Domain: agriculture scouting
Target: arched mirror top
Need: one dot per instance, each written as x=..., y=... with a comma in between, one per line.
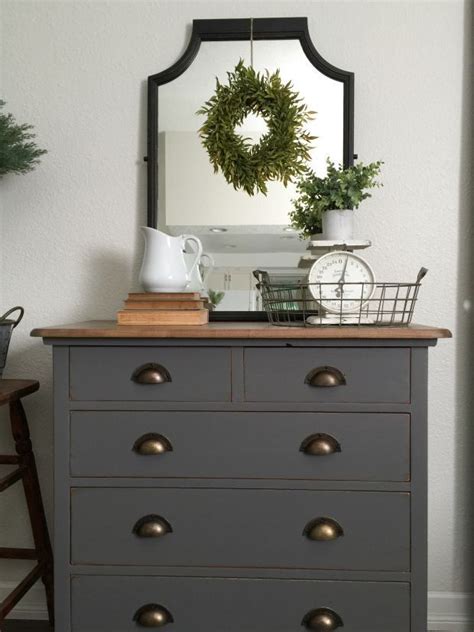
x=173, y=109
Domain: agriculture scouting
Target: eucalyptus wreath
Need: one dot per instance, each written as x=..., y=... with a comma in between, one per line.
x=280, y=154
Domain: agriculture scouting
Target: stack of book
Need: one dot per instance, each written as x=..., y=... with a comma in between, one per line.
x=163, y=308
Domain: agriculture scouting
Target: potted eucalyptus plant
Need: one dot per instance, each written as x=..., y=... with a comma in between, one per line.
x=18, y=154
x=215, y=297
x=327, y=204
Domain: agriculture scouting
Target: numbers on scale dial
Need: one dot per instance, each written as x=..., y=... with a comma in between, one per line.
x=348, y=281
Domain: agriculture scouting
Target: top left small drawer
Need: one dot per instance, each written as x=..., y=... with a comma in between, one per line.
x=166, y=374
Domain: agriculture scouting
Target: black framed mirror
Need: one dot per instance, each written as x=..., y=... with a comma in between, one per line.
x=239, y=232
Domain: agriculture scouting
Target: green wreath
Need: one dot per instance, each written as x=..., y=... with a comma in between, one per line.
x=281, y=153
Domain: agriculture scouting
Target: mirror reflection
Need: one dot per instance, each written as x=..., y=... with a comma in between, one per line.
x=240, y=232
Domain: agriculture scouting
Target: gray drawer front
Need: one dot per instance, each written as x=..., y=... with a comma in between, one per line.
x=241, y=528
x=371, y=375
x=104, y=373
x=108, y=604
x=374, y=446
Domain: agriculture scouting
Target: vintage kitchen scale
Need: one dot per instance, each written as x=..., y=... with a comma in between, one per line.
x=340, y=288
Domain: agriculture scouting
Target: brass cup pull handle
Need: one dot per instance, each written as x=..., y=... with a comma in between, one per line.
x=152, y=526
x=323, y=530
x=152, y=615
x=322, y=620
x=151, y=373
x=152, y=444
x=320, y=444
x=325, y=377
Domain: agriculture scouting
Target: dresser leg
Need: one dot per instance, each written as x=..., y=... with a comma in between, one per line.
x=21, y=435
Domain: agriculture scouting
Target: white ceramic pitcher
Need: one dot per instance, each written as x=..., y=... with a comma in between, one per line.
x=198, y=278
x=164, y=266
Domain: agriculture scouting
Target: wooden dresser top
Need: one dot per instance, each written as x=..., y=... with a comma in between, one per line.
x=110, y=329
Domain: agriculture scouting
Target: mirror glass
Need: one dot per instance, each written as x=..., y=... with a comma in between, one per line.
x=239, y=231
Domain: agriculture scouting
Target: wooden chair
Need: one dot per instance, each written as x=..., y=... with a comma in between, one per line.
x=11, y=393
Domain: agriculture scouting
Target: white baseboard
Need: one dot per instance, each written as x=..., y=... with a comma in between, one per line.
x=447, y=611
x=451, y=611
x=33, y=605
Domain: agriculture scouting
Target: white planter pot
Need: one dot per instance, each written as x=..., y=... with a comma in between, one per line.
x=338, y=224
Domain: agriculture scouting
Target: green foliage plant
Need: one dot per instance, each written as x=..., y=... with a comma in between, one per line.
x=280, y=154
x=215, y=297
x=339, y=189
x=18, y=152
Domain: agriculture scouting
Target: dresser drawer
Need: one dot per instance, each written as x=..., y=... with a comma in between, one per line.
x=241, y=528
x=327, y=375
x=150, y=373
x=110, y=604
x=317, y=446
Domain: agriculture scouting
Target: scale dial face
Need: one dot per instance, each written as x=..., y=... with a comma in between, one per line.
x=350, y=279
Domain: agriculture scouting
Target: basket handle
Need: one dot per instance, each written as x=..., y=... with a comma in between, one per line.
x=10, y=311
x=261, y=276
x=421, y=274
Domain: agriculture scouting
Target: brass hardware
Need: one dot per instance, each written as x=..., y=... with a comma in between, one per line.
x=320, y=445
x=152, y=526
x=152, y=615
x=323, y=530
x=322, y=620
x=151, y=374
x=325, y=376
x=152, y=444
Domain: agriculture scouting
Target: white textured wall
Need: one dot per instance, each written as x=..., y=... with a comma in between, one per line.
x=70, y=245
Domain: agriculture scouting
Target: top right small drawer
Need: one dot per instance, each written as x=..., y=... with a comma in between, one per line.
x=327, y=374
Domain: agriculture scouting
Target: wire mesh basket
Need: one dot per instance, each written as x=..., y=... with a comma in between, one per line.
x=7, y=325
x=304, y=304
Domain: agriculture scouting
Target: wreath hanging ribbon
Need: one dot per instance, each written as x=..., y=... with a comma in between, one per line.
x=281, y=153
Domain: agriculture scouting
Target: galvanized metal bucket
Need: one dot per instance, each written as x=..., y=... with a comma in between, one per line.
x=7, y=325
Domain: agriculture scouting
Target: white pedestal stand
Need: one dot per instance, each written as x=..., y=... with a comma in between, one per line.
x=320, y=247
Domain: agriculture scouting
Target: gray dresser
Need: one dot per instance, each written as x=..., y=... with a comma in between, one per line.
x=240, y=478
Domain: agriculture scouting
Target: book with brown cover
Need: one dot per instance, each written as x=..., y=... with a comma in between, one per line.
x=162, y=317
x=164, y=296
x=163, y=304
